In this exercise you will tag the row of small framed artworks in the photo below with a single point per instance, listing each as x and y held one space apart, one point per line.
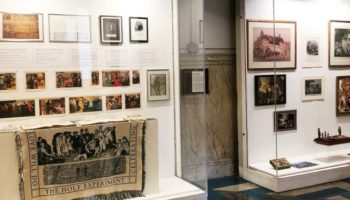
271 89
22 27
57 106
273 45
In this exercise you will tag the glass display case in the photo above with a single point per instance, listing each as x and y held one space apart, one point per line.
90 100
294 65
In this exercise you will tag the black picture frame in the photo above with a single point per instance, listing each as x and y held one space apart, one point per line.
266 86
285 120
138 29
111 29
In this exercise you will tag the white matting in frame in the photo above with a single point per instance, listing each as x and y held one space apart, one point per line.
311 51
69 28
313 88
111 29
138 29
158 87
339 43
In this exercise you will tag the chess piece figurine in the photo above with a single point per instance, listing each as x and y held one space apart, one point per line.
319 132
339 130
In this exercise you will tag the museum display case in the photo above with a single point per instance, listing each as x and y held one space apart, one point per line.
294 80
90 100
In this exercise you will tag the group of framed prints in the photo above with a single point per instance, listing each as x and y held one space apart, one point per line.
21 27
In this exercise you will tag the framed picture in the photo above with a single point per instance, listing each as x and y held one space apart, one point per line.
270 48
132 100
339 42
135 77
270 89
95 78
52 106
69 28
158 85
85 104
285 120
17 27
111 29
138 29
8 81
17 108
116 78
343 95
312 88
35 81
114 102
194 81
312 53
68 79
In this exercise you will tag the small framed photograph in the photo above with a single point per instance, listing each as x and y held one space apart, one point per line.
269 42
158 87
52 106
285 120
95 78
343 95
270 89
68 79
138 29
18 27
111 29
312 53
312 88
69 28
116 78
135 77
132 100
85 104
8 81
35 81
114 102
339 42
17 108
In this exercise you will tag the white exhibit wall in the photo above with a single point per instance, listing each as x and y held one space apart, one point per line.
21 57
312 17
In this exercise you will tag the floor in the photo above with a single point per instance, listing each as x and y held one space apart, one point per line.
236 188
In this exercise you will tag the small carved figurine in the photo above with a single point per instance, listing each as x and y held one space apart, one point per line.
319 132
339 130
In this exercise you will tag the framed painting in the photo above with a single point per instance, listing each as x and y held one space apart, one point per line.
138 29
158 85
312 88
285 120
311 52
111 29
343 95
271 45
8 81
339 43
35 81
270 89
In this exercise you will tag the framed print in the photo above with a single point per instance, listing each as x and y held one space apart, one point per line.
269 48
85 104
111 29
311 52
114 102
158 85
343 95
95 78
69 28
52 106
285 120
17 108
17 27
68 79
8 81
312 88
116 78
270 89
132 100
35 81
339 43
194 81
138 29
135 77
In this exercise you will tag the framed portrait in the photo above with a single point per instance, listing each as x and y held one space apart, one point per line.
285 120
68 79
271 45
35 81
343 95
116 78
8 81
135 77
52 106
17 27
95 78
17 108
138 29
132 100
158 87
339 43
312 53
69 28
270 89
312 88
85 104
114 102
111 29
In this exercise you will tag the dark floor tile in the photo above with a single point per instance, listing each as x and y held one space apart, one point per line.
331 192
225 181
